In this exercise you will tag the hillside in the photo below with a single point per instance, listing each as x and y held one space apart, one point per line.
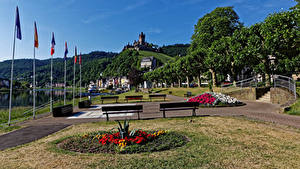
93 64
175 50
130 60
162 58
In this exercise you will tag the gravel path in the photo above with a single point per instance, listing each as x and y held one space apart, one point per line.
36 129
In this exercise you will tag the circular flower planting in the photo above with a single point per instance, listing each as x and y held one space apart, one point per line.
123 141
215 99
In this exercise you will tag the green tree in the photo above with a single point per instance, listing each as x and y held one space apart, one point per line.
212 27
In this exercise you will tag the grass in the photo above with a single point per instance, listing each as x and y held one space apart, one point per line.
18 115
295 108
181 91
97 99
163 58
215 142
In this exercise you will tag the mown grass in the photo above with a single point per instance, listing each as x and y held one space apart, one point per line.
181 91
97 99
295 108
215 142
163 58
20 114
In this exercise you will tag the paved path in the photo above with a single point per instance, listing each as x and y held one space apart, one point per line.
36 129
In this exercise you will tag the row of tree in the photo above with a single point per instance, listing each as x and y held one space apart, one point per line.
222 46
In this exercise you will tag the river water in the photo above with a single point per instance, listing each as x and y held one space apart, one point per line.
24 98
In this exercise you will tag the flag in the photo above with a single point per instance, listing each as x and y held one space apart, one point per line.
52 44
18 25
36 38
80 59
66 51
75 54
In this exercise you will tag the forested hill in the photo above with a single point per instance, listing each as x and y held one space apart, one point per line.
175 50
92 65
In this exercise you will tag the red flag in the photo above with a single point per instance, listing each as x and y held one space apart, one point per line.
36 38
80 59
75 54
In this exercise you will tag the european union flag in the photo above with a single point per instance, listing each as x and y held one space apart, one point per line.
18 25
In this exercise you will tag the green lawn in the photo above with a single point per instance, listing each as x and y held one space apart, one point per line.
181 91
295 108
163 58
214 142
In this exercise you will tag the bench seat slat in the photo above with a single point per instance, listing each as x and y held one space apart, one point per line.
122 112
170 109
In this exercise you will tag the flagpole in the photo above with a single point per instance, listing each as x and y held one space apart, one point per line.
11 77
51 81
33 112
65 79
74 82
80 75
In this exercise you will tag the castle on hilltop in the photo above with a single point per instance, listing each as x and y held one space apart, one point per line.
141 44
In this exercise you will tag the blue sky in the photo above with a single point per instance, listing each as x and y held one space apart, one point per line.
109 25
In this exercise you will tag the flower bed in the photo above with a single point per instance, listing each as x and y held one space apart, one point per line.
106 142
215 99
124 141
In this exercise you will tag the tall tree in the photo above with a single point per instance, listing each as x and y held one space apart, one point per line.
212 27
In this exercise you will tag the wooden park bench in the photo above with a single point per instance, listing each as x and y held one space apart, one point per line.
122 109
157 95
139 97
85 104
63 110
188 94
109 98
179 106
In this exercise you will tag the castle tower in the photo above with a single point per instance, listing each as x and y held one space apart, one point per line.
142 38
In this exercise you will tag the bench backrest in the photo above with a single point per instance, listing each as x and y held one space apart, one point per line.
128 97
120 108
109 97
157 95
179 104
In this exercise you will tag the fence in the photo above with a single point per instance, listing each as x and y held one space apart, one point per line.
250 82
30 111
285 82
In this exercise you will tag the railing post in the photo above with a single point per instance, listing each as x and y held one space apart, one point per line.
295 93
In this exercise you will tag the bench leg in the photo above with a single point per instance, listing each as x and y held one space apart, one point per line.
164 99
194 112
138 115
107 119
164 114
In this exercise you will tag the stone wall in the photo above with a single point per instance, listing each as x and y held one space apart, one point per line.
243 94
281 96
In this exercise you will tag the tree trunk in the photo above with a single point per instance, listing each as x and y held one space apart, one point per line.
268 79
166 84
179 83
199 80
214 77
233 73
172 85
188 82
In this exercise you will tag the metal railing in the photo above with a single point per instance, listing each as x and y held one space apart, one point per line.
250 82
285 82
30 111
